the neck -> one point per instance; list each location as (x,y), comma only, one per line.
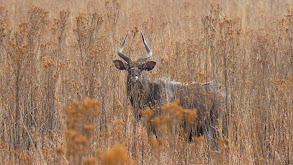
(138,91)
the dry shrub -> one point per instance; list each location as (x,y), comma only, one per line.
(153,141)
(52,52)
(147,113)
(169,122)
(89,161)
(117,154)
(79,117)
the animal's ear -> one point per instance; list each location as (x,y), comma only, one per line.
(149,65)
(119,64)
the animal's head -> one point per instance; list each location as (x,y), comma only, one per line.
(135,68)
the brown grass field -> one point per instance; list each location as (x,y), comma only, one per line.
(62,101)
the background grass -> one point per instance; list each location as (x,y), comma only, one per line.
(54,52)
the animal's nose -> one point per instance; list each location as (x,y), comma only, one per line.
(134,77)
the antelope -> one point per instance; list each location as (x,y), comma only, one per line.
(145,93)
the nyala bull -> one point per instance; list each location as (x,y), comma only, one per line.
(204,97)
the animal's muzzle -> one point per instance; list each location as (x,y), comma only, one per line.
(134,78)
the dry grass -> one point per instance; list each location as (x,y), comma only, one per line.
(55,52)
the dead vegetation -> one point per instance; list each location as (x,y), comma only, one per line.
(52,56)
